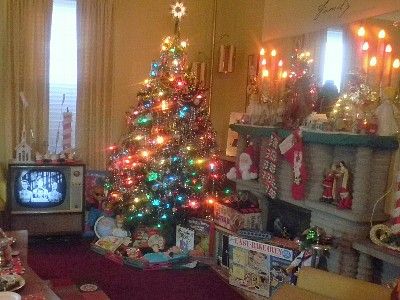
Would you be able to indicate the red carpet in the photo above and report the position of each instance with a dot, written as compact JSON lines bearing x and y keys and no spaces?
{"x":73,"y":259}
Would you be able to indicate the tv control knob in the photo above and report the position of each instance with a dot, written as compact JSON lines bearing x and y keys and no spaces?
{"x":77,"y":173}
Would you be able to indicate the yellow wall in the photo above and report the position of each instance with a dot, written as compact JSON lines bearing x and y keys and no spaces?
{"x":242,"y":22}
{"x":139,"y":28}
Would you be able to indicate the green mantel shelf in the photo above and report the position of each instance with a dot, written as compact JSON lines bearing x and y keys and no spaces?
{"x":321,"y":137}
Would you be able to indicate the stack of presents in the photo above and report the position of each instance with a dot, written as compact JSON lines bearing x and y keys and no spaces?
{"x":233,"y":237}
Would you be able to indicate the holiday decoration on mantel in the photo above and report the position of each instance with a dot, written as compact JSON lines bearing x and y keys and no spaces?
{"x":301,"y":91}
{"x":292,"y":149}
{"x":355,"y":108}
{"x":388,"y":235}
{"x":247,"y":167}
{"x":387,"y":123}
{"x":336,"y":186}
{"x":167,"y":165}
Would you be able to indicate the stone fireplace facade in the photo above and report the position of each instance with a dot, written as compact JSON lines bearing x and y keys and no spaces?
{"x":368,"y":159}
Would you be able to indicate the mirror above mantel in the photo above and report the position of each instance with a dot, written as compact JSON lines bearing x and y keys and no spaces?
{"x":354,"y":45}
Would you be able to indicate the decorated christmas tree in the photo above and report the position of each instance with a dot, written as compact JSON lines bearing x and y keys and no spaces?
{"x":355,"y":107}
{"x":166,"y":167}
{"x":301,"y":91}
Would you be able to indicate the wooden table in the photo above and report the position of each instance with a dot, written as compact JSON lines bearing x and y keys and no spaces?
{"x":34,"y":285}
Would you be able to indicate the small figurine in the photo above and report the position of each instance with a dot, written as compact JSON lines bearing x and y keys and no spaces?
{"x":247,"y":168}
{"x":346,"y":200}
{"x":329,"y":184}
{"x":119,"y":231}
{"x":387,"y":124}
{"x":39,"y":158}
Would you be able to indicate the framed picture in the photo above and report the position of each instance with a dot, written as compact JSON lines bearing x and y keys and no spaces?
{"x":232,"y":140}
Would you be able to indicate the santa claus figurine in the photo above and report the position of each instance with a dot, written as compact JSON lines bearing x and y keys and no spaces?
{"x":346,"y":200}
{"x":329,"y":185}
{"x":247,"y":167}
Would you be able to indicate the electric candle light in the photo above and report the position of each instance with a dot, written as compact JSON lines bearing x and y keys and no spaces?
{"x":387,"y":63}
{"x":361,"y":31}
{"x":262,"y":52}
{"x":395,"y":66}
{"x":373,"y":61}
{"x":263,"y":62}
{"x":273,"y":52}
{"x":382,"y":34}
{"x":265,"y":73}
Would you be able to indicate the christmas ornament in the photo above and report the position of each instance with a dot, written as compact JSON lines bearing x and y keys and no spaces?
{"x":292,"y":149}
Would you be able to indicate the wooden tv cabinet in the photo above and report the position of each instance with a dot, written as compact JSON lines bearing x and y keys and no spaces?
{"x":48,"y":224}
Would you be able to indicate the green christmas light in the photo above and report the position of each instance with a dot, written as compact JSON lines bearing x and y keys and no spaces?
{"x":191,"y":162}
{"x":152,"y":176}
{"x":144,"y":120}
{"x":198,"y":187}
{"x":227,"y":191}
{"x":108,"y":186}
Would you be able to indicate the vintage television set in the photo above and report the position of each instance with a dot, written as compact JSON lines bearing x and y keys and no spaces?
{"x":46,"y":199}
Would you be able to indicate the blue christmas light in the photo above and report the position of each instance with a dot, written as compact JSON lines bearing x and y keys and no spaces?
{"x":180,"y":198}
{"x":164,"y":216}
{"x":156,"y":202}
{"x":140,"y":215}
{"x":183,"y":112}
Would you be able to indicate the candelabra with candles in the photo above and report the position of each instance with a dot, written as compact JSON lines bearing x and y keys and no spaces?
{"x":266,"y":89}
{"x":378,"y":63}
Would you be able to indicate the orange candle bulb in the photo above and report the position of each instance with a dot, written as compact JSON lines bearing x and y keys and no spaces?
{"x":373,"y":61}
{"x":361,"y":31}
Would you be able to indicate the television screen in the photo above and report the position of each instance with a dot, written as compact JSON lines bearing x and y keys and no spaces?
{"x":40,"y":188}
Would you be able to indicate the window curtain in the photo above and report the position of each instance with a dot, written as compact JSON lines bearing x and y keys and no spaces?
{"x":95,"y":65}
{"x":25,"y":55}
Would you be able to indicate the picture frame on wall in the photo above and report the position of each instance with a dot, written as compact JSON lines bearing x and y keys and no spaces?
{"x":232,"y":139}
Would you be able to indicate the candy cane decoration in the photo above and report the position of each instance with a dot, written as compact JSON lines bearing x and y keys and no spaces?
{"x":67,"y":130}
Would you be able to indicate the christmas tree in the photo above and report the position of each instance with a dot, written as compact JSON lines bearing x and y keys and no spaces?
{"x":354,"y":110}
{"x":301,"y":91}
{"x":166,"y":166}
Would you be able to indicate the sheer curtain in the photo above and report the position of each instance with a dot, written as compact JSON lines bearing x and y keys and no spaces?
{"x":95,"y":65}
{"x":26,"y":49}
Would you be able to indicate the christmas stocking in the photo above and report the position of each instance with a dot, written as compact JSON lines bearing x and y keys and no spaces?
{"x":292,"y":149}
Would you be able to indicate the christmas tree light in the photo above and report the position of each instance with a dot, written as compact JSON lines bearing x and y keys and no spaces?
{"x":166,"y":166}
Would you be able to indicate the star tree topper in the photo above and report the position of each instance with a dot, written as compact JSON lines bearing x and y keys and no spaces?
{"x":178,"y":10}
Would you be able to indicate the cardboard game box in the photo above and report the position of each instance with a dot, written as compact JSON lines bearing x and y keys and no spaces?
{"x":199,"y":236}
{"x":234,"y":220}
{"x":258,"y":267}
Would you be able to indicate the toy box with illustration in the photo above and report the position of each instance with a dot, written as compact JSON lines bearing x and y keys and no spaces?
{"x":258,"y":267}
{"x":233,"y":219}
{"x":197,"y":237}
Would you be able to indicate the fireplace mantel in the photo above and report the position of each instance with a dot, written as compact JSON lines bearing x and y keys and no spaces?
{"x":368,"y":158}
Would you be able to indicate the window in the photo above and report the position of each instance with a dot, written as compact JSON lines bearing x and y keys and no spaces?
{"x":333,"y":57}
{"x":63,"y":72}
